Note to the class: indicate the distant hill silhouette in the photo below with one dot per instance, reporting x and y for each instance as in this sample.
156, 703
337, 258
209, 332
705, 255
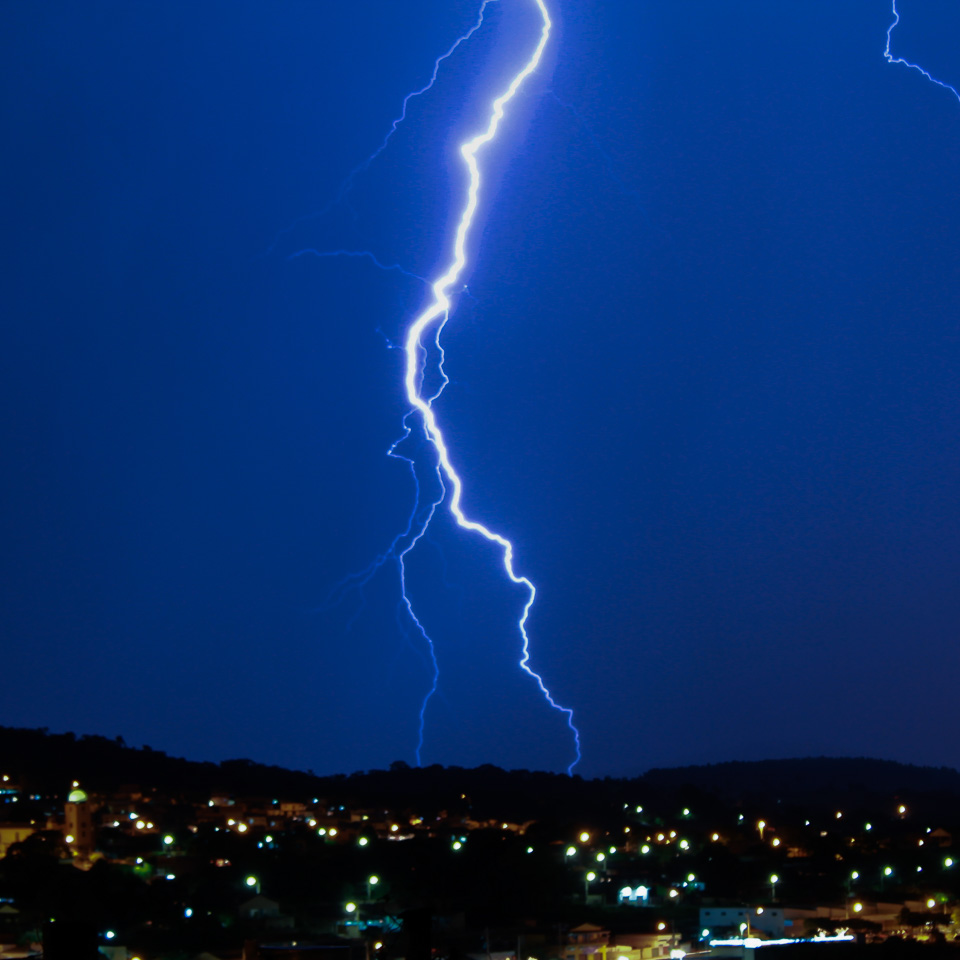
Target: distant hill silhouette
48, 762
807, 777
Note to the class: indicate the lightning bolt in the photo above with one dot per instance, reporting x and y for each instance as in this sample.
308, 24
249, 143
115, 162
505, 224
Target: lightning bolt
430, 322
424, 332
892, 59
365, 254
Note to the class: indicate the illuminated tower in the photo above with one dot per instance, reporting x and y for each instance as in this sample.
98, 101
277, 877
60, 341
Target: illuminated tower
78, 831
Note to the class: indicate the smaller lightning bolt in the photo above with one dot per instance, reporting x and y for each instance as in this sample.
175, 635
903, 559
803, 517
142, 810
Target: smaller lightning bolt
892, 59
347, 185
401, 545
366, 254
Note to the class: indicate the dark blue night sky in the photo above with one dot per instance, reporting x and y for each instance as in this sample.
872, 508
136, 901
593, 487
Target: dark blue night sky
705, 377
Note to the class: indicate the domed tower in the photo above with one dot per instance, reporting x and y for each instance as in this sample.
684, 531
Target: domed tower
78, 831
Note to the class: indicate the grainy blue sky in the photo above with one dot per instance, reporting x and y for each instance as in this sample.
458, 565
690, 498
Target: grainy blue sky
705, 378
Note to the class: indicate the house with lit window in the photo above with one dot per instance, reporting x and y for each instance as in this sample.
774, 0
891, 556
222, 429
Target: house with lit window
11, 833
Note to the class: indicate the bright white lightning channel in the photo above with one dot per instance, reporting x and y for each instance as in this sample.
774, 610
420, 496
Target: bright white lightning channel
431, 321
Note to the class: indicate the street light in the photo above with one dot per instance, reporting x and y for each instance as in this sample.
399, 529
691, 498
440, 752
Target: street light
253, 881
587, 880
774, 880
372, 881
